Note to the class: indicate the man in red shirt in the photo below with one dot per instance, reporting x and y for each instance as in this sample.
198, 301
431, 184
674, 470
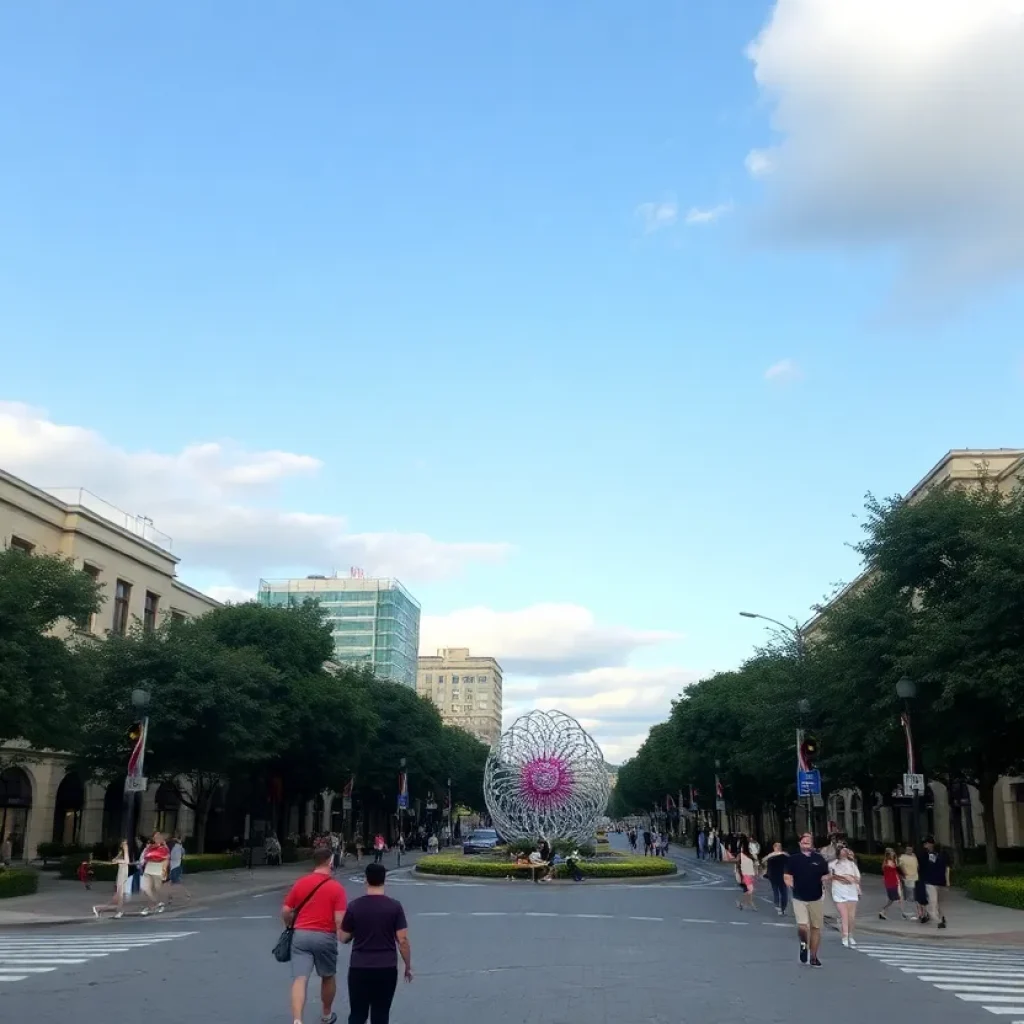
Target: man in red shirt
315, 908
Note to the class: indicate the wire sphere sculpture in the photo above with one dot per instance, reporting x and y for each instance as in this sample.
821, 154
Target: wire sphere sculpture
546, 776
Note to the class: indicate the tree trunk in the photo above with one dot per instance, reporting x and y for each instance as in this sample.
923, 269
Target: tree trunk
987, 795
202, 815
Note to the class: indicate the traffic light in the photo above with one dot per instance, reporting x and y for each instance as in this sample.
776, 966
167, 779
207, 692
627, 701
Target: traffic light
809, 750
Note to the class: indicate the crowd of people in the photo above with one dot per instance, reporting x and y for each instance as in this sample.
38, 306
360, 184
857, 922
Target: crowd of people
914, 880
655, 842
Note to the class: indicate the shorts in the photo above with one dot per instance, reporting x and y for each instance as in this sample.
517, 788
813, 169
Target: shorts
809, 913
317, 950
176, 873
748, 883
920, 893
893, 895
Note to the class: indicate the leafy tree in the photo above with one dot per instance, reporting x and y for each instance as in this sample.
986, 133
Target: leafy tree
957, 553
40, 597
464, 760
210, 716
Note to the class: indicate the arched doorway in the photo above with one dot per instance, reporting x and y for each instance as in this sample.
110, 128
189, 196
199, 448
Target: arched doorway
113, 812
168, 806
15, 805
67, 810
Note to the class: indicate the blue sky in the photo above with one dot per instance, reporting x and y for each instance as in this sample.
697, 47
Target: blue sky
515, 283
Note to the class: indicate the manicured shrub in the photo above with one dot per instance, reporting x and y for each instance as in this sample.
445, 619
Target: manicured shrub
606, 867
1005, 891
47, 852
196, 863
18, 882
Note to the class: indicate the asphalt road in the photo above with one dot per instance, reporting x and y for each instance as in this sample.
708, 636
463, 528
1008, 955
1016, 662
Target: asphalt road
516, 953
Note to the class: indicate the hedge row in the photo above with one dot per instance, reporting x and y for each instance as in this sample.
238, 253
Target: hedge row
1005, 891
871, 864
194, 864
479, 867
18, 882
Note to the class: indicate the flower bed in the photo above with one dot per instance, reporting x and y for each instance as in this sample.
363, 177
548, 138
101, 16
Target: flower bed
614, 866
17, 882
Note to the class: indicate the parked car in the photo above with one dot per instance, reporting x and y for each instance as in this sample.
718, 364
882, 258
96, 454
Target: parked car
481, 840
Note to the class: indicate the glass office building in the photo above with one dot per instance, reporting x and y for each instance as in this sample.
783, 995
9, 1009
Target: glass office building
375, 622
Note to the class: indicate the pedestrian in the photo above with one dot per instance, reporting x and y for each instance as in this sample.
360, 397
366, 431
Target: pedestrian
891, 880
376, 927
6, 850
700, 844
153, 864
314, 908
936, 875
845, 891
86, 874
176, 866
122, 861
775, 870
379, 846
647, 842
910, 875
805, 873
746, 871
432, 843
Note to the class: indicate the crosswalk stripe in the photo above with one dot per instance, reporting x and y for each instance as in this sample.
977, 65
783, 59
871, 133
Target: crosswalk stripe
24, 958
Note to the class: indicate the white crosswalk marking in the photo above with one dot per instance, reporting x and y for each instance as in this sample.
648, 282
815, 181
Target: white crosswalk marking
990, 978
23, 957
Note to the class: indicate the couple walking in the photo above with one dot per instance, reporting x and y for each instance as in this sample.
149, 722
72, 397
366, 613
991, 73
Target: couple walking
318, 911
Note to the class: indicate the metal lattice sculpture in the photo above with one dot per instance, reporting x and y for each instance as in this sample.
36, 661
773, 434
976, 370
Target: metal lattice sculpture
546, 777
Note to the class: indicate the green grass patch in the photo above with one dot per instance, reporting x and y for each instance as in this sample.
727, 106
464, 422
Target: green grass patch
18, 882
615, 866
1002, 890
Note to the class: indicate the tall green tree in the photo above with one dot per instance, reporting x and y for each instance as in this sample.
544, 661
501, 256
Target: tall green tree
41, 599
211, 713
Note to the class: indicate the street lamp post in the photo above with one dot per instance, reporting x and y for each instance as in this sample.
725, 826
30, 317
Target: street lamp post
403, 798
906, 690
794, 631
134, 781
803, 707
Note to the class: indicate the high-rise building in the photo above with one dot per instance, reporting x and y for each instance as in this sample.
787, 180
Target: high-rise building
375, 622
466, 690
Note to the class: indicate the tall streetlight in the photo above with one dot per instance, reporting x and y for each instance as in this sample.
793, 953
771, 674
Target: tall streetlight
794, 631
906, 690
135, 780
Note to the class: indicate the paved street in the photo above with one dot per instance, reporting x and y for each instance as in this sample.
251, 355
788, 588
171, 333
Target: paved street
517, 952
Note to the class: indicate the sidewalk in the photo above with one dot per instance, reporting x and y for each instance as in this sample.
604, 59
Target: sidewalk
63, 902
967, 919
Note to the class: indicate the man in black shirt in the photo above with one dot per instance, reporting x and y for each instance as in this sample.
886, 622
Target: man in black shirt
804, 874
934, 868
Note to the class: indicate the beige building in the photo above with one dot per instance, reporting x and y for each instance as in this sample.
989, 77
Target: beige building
40, 800
1003, 467
466, 690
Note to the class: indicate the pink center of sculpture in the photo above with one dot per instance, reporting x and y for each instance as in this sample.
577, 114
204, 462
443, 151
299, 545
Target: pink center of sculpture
545, 782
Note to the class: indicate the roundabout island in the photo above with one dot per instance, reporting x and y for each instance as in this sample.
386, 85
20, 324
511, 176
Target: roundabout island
546, 786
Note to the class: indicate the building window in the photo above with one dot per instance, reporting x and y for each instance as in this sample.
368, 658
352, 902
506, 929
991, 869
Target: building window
440, 680
429, 678
122, 598
481, 679
149, 612
455, 680
22, 545
88, 623
178, 617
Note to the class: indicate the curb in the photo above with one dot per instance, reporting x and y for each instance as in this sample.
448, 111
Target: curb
197, 904
427, 876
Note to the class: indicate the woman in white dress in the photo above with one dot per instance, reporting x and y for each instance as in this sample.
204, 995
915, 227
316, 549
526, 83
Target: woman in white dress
123, 862
846, 891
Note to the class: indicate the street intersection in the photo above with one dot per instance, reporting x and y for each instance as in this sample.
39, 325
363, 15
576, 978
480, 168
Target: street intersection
510, 953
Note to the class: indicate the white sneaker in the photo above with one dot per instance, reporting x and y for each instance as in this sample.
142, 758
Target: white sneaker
95, 911
144, 912
119, 915
846, 942
853, 942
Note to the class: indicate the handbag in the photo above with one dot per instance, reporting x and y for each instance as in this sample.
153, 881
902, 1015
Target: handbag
283, 946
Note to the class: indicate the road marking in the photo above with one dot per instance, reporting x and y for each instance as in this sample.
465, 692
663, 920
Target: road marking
257, 917
647, 919
539, 913
489, 913
22, 958
434, 913
697, 920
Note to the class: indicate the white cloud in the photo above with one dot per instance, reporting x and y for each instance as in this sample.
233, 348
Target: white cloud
544, 639
697, 215
616, 705
784, 371
229, 594
657, 216
899, 125
216, 500
758, 163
